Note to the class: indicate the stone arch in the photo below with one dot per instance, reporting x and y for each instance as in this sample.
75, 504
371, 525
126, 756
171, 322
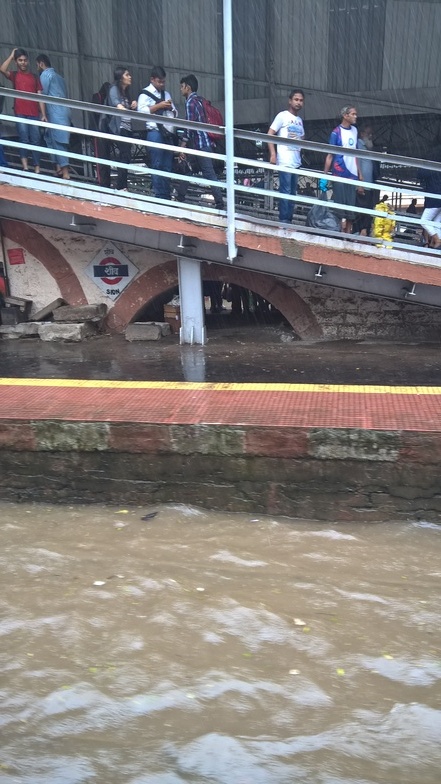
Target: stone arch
165, 276
141, 291
284, 298
50, 257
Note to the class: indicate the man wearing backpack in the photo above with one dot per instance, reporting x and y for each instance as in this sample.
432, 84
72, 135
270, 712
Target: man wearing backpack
197, 140
156, 101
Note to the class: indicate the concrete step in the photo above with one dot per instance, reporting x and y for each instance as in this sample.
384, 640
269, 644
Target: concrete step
67, 332
147, 330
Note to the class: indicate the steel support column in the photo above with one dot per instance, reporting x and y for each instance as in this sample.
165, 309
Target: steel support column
229, 127
192, 302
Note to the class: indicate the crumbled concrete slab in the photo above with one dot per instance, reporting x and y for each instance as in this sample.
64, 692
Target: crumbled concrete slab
26, 329
165, 327
72, 314
43, 313
67, 332
146, 330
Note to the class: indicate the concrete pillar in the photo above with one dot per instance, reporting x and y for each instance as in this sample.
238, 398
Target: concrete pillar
192, 302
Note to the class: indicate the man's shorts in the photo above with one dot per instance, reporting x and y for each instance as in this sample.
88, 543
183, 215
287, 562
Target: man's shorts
345, 194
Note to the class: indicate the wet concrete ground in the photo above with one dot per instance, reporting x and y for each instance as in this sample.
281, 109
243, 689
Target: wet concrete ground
242, 352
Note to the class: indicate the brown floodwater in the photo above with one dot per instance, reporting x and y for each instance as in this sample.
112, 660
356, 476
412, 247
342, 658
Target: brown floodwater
207, 647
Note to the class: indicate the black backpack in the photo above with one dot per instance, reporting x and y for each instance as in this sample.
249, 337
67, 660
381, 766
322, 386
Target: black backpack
98, 121
168, 137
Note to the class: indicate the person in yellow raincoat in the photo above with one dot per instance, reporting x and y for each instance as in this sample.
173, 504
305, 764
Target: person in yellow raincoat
383, 227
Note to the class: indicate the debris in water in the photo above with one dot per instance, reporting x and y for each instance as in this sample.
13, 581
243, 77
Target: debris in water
99, 582
294, 672
149, 516
299, 622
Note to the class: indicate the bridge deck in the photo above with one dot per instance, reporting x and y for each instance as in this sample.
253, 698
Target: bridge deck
160, 226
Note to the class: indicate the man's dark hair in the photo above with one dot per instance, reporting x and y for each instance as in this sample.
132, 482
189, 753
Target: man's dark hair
43, 58
20, 53
192, 82
296, 90
157, 72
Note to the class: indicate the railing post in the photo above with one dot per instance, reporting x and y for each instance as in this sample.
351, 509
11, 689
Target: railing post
229, 127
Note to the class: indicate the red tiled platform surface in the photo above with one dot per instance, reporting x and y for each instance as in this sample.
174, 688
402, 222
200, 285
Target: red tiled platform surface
271, 405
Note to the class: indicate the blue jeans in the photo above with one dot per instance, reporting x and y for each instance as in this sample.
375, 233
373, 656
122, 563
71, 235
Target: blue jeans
205, 167
163, 161
29, 134
287, 184
3, 161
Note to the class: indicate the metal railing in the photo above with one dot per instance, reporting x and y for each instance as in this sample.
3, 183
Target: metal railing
232, 213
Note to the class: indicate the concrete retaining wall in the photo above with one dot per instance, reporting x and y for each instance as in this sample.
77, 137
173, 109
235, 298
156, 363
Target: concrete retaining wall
313, 473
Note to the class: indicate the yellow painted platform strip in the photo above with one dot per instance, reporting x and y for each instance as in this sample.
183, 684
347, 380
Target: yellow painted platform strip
223, 387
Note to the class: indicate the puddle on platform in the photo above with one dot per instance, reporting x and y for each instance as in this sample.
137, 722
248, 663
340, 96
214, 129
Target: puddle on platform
235, 355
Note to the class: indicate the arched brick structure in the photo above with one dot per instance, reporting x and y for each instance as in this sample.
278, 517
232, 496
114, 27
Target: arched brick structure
134, 298
163, 277
285, 299
49, 256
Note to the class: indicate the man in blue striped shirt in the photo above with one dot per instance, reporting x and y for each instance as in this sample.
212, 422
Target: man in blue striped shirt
197, 140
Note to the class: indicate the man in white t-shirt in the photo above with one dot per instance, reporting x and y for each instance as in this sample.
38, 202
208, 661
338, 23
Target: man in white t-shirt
344, 135
288, 125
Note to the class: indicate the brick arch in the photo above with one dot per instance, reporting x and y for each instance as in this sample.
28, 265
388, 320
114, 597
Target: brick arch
285, 299
163, 277
141, 291
49, 257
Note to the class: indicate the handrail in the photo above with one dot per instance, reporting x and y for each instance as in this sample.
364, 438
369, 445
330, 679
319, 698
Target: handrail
239, 133
219, 156
250, 163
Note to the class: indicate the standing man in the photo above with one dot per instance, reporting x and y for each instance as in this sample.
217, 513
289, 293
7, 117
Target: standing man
156, 101
54, 85
344, 135
26, 82
288, 125
197, 140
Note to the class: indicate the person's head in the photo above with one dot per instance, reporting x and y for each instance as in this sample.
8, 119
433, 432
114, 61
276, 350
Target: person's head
122, 78
366, 133
43, 62
296, 99
348, 115
21, 58
189, 84
157, 77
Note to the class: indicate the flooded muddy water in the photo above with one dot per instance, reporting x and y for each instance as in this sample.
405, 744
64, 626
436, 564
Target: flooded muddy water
198, 647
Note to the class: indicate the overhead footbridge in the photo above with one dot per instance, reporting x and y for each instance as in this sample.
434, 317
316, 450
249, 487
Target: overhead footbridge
242, 240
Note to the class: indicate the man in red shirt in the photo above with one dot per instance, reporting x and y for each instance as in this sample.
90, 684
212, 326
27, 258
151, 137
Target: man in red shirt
24, 108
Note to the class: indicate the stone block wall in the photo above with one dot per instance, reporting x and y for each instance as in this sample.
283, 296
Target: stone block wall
313, 473
347, 315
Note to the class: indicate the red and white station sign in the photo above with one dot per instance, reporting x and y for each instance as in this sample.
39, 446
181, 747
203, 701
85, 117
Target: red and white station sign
111, 271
